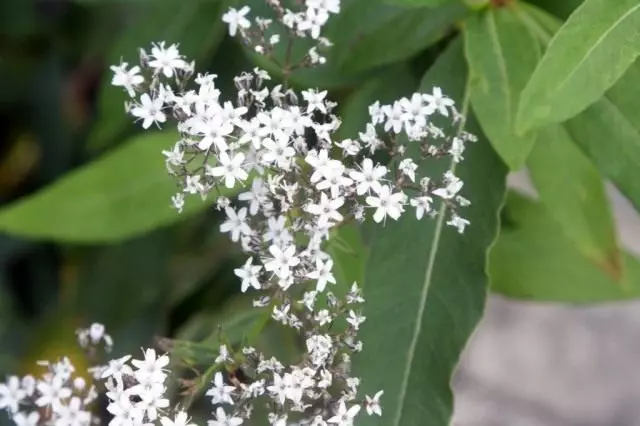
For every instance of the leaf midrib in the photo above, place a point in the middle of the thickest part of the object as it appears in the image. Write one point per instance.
(593, 47)
(428, 274)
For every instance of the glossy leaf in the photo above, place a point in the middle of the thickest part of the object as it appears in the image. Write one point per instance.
(425, 284)
(572, 190)
(118, 196)
(502, 54)
(585, 58)
(534, 260)
(196, 25)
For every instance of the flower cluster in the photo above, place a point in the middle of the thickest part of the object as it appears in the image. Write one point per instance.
(296, 185)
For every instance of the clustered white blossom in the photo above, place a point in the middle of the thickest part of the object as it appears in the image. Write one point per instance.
(298, 186)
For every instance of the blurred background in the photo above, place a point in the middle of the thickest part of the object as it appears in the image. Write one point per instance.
(146, 272)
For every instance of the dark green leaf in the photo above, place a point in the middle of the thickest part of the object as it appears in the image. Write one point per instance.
(369, 34)
(534, 260)
(122, 194)
(425, 284)
(586, 57)
(502, 54)
(196, 25)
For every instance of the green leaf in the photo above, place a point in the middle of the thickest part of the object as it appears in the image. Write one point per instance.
(614, 118)
(417, 3)
(502, 54)
(349, 255)
(585, 58)
(196, 25)
(118, 196)
(534, 260)
(425, 284)
(369, 34)
(611, 140)
(573, 192)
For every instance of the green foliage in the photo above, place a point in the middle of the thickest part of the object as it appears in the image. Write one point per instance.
(571, 188)
(502, 54)
(534, 260)
(123, 194)
(585, 58)
(425, 285)
(370, 34)
(557, 97)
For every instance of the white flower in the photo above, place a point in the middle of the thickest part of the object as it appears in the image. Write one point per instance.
(323, 274)
(22, 419)
(73, 414)
(52, 392)
(456, 150)
(386, 204)
(117, 368)
(222, 419)
(313, 21)
(214, 132)
(372, 405)
(149, 110)
(236, 223)
(166, 60)
(223, 355)
(283, 260)
(453, 186)
(255, 197)
(11, 394)
(129, 79)
(249, 274)
(369, 177)
(177, 201)
(278, 389)
(230, 168)
(344, 417)
(220, 393)
(278, 151)
(355, 320)
(151, 368)
(315, 100)
(326, 209)
(422, 205)
(438, 102)
(180, 419)
(408, 168)
(331, 6)
(458, 222)
(236, 18)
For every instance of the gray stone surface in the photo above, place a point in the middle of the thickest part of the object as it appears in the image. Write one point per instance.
(532, 364)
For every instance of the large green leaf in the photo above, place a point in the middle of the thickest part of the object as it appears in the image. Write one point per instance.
(120, 195)
(612, 141)
(425, 285)
(196, 25)
(572, 189)
(369, 34)
(502, 54)
(533, 259)
(615, 118)
(585, 58)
